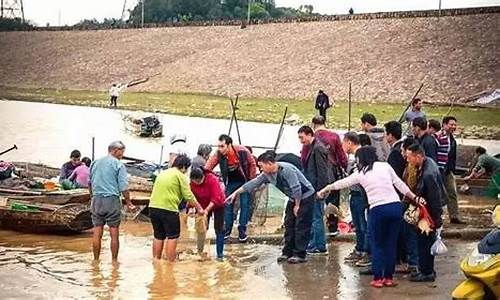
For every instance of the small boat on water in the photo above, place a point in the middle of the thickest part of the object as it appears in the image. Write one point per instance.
(32, 217)
(146, 127)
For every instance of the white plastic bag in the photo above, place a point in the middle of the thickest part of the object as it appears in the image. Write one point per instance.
(438, 248)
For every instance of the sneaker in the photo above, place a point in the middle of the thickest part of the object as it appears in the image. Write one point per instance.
(242, 237)
(364, 262)
(457, 221)
(412, 270)
(220, 259)
(377, 283)
(419, 277)
(353, 256)
(296, 260)
(317, 252)
(227, 235)
(283, 258)
(389, 282)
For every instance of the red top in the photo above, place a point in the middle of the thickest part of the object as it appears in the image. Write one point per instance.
(209, 191)
(332, 142)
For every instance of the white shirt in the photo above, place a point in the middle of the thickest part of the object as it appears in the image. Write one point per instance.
(115, 90)
(378, 183)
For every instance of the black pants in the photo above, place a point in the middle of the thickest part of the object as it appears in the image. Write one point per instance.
(298, 228)
(218, 214)
(113, 101)
(425, 258)
(322, 112)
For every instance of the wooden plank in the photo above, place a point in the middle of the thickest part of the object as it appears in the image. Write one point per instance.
(20, 192)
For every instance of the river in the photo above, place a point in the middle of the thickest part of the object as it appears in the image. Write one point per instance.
(61, 267)
(47, 133)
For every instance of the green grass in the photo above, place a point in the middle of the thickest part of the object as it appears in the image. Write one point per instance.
(250, 109)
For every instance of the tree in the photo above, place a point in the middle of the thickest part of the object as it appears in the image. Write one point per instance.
(258, 11)
(306, 9)
(157, 11)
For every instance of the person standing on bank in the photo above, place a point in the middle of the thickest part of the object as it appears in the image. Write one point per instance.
(319, 172)
(429, 187)
(171, 187)
(427, 141)
(338, 159)
(385, 215)
(415, 112)
(358, 204)
(322, 103)
(449, 126)
(237, 166)
(108, 180)
(115, 91)
(299, 209)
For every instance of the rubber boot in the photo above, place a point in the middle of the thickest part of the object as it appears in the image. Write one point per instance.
(219, 245)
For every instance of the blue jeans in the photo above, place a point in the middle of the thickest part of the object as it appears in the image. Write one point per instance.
(318, 239)
(244, 209)
(357, 205)
(384, 224)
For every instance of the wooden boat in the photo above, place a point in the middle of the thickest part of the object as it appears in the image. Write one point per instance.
(26, 216)
(55, 197)
(30, 170)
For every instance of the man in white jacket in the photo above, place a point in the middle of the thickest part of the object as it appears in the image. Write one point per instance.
(115, 91)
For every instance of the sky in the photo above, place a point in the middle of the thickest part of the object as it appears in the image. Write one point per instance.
(69, 12)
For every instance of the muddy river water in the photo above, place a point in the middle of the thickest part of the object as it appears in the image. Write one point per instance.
(61, 267)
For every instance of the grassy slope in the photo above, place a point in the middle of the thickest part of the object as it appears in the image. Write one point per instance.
(250, 109)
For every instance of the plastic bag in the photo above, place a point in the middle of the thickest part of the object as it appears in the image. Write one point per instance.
(438, 248)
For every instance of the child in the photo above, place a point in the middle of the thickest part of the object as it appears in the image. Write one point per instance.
(80, 175)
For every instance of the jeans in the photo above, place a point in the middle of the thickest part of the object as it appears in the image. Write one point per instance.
(425, 258)
(298, 228)
(318, 239)
(244, 209)
(385, 221)
(357, 205)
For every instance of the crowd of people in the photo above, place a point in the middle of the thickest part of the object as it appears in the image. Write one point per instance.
(388, 174)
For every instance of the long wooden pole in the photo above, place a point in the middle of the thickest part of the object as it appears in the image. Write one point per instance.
(232, 115)
(401, 119)
(349, 125)
(233, 108)
(93, 148)
(280, 132)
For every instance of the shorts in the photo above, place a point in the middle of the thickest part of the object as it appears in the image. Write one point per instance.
(165, 223)
(106, 210)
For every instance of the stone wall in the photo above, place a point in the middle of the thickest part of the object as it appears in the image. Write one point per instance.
(386, 58)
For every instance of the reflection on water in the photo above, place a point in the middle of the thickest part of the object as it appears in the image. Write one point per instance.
(61, 267)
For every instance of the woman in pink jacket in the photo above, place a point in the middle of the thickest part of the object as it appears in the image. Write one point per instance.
(208, 191)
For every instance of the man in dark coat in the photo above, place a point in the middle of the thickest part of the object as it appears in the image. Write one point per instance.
(429, 182)
(318, 170)
(322, 103)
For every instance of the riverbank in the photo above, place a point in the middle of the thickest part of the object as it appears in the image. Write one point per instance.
(474, 122)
